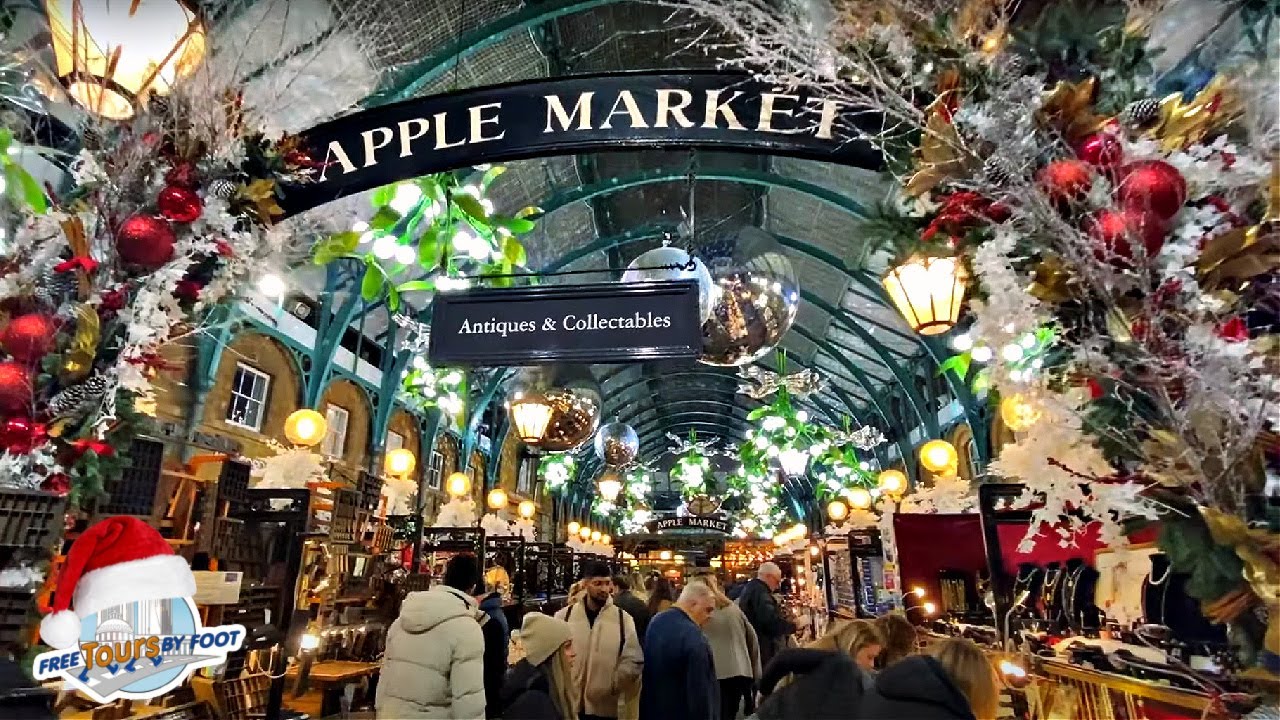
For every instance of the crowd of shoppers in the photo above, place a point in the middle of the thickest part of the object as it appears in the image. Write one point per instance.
(616, 652)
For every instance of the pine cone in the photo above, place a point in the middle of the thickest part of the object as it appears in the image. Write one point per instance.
(998, 171)
(1140, 113)
(76, 399)
(222, 188)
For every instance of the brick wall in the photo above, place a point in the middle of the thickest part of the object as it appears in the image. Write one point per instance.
(284, 392)
(355, 450)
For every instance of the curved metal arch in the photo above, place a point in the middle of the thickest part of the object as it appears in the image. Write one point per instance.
(624, 390)
(409, 82)
(959, 390)
(745, 176)
(675, 419)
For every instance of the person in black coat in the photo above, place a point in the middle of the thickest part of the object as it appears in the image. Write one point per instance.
(827, 685)
(540, 687)
(758, 604)
(631, 604)
(679, 673)
(955, 681)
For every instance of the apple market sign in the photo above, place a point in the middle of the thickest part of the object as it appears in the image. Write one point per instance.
(624, 111)
(689, 522)
(597, 323)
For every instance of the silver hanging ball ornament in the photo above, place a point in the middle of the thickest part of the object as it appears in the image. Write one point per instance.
(617, 444)
(574, 396)
(661, 264)
(754, 298)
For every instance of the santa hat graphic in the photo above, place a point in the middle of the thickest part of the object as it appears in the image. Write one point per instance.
(117, 561)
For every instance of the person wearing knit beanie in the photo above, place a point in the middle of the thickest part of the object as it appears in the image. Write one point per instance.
(542, 635)
(540, 686)
(117, 561)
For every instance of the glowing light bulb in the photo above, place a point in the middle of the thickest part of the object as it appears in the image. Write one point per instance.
(981, 354)
(385, 247)
(962, 342)
(406, 254)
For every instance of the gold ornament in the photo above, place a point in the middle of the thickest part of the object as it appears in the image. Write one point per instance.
(260, 195)
(941, 154)
(83, 349)
(1235, 257)
(1069, 109)
(1051, 281)
(1184, 123)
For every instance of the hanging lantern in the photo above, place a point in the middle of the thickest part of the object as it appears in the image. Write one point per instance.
(1017, 413)
(939, 456)
(531, 413)
(609, 485)
(837, 511)
(893, 482)
(596, 535)
(399, 463)
(573, 527)
(859, 498)
(928, 291)
(527, 509)
(497, 499)
(110, 56)
(458, 484)
(584, 533)
(305, 427)
(606, 540)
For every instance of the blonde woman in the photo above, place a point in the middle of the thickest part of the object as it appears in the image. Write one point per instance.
(540, 687)
(953, 681)
(859, 639)
(734, 649)
(899, 638)
(824, 678)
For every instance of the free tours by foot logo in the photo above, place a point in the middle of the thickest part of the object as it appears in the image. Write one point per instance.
(123, 623)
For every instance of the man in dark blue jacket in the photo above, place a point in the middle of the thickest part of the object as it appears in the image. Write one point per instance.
(679, 675)
(758, 604)
(497, 642)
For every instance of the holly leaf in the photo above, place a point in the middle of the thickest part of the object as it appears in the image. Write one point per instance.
(490, 175)
(371, 283)
(470, 206)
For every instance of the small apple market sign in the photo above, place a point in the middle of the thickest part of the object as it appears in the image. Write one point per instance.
(597, 323)
(689, 522)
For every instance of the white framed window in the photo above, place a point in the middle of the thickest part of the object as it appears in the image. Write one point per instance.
(335, 438)
(436, 470)
(248, 403)
(527, 479)
(395, 441)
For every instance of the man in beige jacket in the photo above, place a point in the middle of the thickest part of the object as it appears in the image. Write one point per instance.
(609, 659)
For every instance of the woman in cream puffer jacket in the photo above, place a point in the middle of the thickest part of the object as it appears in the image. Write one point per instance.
(434, 663)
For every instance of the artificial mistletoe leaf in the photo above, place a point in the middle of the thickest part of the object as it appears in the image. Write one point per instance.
(393, 298)
(23, 189)
(384, 219)
(335, 246)
(470, 206)
(382, 196)
(416, 286)
(490, 175)
(531, 212)
(371, 283)
(958, 364)
(429, 248)
(513, 251)
(516, 225)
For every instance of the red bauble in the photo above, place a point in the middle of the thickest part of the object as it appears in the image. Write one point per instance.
(1065, 179)
(1101, 150)
(15, 389)
(1115, 231)
(1152, 186)
(180, 204)
(145, 240)
(57, 483)
(28, 337)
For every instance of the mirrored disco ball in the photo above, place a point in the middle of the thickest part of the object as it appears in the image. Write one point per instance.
(617, 444)
(641, 270)
(574, 396)
(754, 298)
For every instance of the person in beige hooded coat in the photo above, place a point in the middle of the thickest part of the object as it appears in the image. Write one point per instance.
(434, 662)
(609, 658)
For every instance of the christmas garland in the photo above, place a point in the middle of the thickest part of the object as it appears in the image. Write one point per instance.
(635, 500)
(556, 470)
(170, 211)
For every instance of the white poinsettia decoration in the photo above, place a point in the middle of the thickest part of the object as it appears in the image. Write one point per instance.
(495, 526)
(458, 512)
